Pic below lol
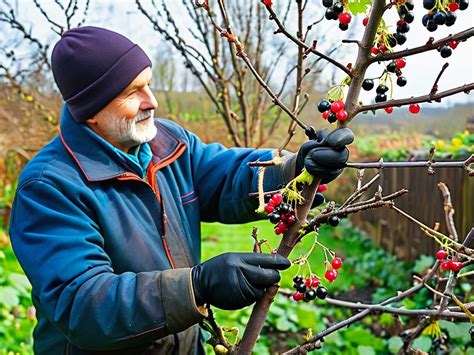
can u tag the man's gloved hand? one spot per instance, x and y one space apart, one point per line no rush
235 280
326 155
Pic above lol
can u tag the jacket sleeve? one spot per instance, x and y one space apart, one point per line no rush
224 179
61 250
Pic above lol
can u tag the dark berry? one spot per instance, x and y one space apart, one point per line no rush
446 51
431 26
274 218
330 14
400 37
392 67
327 3
324 106
310 295
310 132
409 5
409 17
343 26
318 199
297 279
381 89
332 117
333 221
403 27
401 81
285 208
402 10
338 7
368 84
301 287
439 18
321 292
450 18
425 19
463 4
380 98
428 4
392 41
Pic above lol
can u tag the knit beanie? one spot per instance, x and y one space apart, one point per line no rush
92 66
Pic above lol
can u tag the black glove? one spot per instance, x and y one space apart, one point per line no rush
235 280
326 155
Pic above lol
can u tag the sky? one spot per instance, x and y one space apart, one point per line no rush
421 70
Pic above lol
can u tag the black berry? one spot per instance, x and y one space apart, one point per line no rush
400 37
425 19
330 14
428 4
333 221
446 51
409 17
392 41
301 287
380 98
401 81
431 26
274 218
338 7
381 89
310 132
343 26
327 3
463 4
310 295
403 27
439 18
324 105
409 5
285 208
368 84
321 292
332 117
450 18
391 67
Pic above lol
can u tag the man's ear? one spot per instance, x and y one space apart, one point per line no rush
92 121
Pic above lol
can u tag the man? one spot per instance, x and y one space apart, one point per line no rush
106 219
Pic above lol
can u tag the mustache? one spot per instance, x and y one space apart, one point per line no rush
143 115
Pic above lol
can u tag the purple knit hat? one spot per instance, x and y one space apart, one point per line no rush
92 66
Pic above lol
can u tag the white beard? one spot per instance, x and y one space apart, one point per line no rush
130 133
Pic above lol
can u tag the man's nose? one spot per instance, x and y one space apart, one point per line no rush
148 100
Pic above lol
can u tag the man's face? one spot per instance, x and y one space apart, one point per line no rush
127 120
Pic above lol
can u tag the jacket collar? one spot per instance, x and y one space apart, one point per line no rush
98 162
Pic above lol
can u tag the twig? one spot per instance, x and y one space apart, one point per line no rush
430 45
415 100
434 88
448 211
359 192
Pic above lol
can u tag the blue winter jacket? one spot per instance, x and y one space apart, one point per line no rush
108 253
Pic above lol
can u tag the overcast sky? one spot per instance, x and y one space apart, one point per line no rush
420 71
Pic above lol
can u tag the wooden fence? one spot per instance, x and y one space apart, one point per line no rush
424 201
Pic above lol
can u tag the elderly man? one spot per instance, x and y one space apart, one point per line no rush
106 219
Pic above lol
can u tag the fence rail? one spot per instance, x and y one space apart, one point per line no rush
424 202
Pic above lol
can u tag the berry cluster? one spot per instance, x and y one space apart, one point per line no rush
406 17
332 269
441 14
308 289
447 49
448 264
332 110
382 89
335 11
279 213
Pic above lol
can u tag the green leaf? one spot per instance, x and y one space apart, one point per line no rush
394 344
457 330
358 6
386 319
283 324
422 263
365 350
422 343
9 296
20 282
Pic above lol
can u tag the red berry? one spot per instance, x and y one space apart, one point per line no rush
382 47
336 263
414 108
453 6
283 227
284 218
441 254
453 44
298 296
400 22
337 106
325 114
389 109
278 231
277 198
307 282
322 187
269 208
365 21
401 63
330 275
315 282
341 115
290 220
456 265
374 50
345 18
446 265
